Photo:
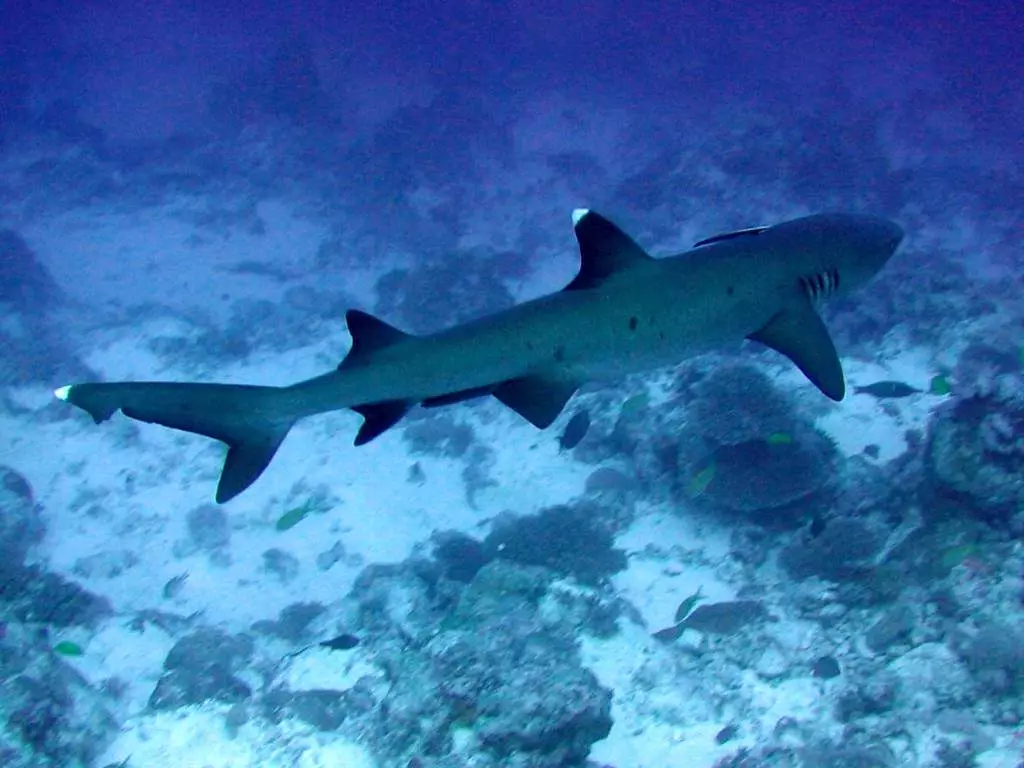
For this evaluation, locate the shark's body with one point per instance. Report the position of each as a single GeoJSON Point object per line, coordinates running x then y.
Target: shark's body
{"type": "Point", "coordinates": [624, 312]}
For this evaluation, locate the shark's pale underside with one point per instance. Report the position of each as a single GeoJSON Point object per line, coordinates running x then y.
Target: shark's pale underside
{"type": "Point", "coordinates": [624, 312]}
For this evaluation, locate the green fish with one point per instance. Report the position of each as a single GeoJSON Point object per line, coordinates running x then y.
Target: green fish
{"type": "Point", "coordinates": [939, 386]}
{"type": "Point", "coordinates": [294, 516]}
{"type": "Point", "coordinates": [700, 481]}
{"type": "Point", "coordinates": [687, 605]}
{"type": "Point", "coordinates": [635, 405]}
{"type": "Point", "coordinates": [953, 556]}
{"type": "Point", "coordinates": [67, 648]}
{"type": "Point", "coordinates": [779, 438]}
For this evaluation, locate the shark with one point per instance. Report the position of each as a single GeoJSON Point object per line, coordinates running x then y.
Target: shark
{"type": "Point", "coordinates": [624, 312]}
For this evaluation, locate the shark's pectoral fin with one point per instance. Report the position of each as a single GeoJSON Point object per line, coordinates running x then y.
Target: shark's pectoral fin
{"type": "Point", "coordinates": [368, 335]}
{"type": "Point", "coordinates": [378, 418]}
{"type": "Point", "coordinates": [800, 334]}
{"type": "Point", "coordinates": [604, 250]}
{"type": "Point", "coordinates": [538, 399]}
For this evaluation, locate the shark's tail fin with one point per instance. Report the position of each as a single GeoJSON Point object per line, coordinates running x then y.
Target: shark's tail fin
{"type": "Point", "coordinates": [251, 421]}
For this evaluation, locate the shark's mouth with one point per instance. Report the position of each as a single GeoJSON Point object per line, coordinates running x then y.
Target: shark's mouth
{"type": "Point", "coordinates": [820, 286]}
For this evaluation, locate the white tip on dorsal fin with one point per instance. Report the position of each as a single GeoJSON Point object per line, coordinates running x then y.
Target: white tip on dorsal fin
{"type": "Point", "coordinates": [62, 393]}
{"type": "Point", "coordinates": [605, 250]}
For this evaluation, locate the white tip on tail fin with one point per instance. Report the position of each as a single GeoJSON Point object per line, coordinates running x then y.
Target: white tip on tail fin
{"type": "Point", "coordinates": [578, 214]}
{"type": "Point", "coordinates": [62, 393]}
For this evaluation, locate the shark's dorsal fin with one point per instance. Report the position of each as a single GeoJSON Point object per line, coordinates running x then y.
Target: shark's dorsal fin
{"type": "Point", "coordinates": [368, 335]}
{"type": "Point", "coordinates": [605, 250]}
{"type": "Point", "coordinates": [799, 333]}
{"type": "Point", "coordinates": [538, 398]}
{"type": "Point", "coordinates": [730, 236]}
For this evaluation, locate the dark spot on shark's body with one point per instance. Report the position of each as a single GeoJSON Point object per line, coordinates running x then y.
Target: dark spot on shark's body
{"type": "Point", "coordinates": [633, 322]}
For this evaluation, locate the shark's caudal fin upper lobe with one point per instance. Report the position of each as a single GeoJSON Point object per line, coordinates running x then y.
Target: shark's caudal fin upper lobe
{"type": "Point", "coordinates": [247, 419]}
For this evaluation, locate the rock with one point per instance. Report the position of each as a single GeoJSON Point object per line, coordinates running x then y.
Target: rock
{"type": "Point", "coordinates": [974, 455]}
{"type": "Point", "coordinates": [844, 550]}
{"type": "Point", "coordinates": [38, 596]}
{"type": "Point", "coordinates": [201, 667]}
{"type": "Point", "coordinates": [49, 715]}
{"type": "Point", "coordinates": [772, 664]}
{"type": "Point", "coordinates": [569, 540]}
{"type": "Point", "coordinates": [893, 627]}
{"type": "Point", "coordinates": [492, 665]}
{"type": "Point", "coordinates": [21, 525]}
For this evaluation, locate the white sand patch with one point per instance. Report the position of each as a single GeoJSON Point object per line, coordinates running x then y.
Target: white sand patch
{"type": "Point", "coordinates": [654, 725]}
{"type": "Point", "coordinates": [861, 420]}
{"type": "Point", "coordinates": [196, 737]}
{"type": "Point", "coordinates": [324, 669]}
{"type": "Point", "coordinates": [668, 555]}
{"type": "Point", "coordinates": [166, 255]}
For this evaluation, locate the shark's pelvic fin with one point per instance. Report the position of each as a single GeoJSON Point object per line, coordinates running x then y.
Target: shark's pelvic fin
{"type": "Point", "coordinates": [604, 250]}
{"type": "Point", "coordinates": [730, 236]}
{"type": "Point", "coordinates": [251, 421]}
{"type": "Point", "coordinates": [368, 335]}
{"type": "Point", "coordinates": [378, 418]}
{"type": "Point", "coordinates": [538, 398]}
{"type": "Point", "coordinates": [799, 333]}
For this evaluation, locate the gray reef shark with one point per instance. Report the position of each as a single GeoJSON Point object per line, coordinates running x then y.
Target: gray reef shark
{"type": "Point", "coordinates": [624, 312]}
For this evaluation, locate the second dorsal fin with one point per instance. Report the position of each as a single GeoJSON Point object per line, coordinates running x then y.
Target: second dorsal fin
{"type": "Point", "coordinates": [605, 250]}
{"type": "Point", "coordinates": [369, 334]}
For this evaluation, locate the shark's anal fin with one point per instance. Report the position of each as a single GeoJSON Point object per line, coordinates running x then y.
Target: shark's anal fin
{"type": "Point", "coordinates": [378, 418]}
{"type": "Point", "coordinates": [799, 333]}
{"type": "Point", "coordinates": [604, 250]}
{"type": "Point", "coordinates": [538, 399]}
{"type": "Point", "coordinates": [369, 334]}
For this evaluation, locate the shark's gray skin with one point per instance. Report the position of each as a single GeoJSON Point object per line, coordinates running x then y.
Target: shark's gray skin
{"type": "Point", "coordinates": [624, 312]}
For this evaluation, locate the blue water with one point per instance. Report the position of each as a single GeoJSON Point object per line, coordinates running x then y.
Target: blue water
{"type": "Point", "coordinates": [199, 192]}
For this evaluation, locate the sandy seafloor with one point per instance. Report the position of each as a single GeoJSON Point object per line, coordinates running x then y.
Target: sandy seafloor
{"type": "Point", "coordinates": [119, 488]}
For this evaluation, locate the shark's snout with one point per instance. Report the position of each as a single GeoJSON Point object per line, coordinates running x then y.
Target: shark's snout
{"type": "Point", "coordinates": [892, 234]}
{"type": "Point", "coordinates": [874, 240]}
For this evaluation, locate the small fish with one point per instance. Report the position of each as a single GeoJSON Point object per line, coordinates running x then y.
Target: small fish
{"type": "Point", "coordinates": [67, 648]}
{"type": "Point", "coordinates": [817, 526]}
{"type": "Point", "coordinates": [940, 385]}
{"type": "Point", "coordinates": [885, 390]}
{"type": "Point", "coordinates": [174, 586]}
{"type": "Point", "coordinates": [701, 480]}
{"type": "Point", "coordinates": [575, 431]}
{"type": "Point", "coordinates": [635, 405]}
{"type": "Point", "coordinates": [669, 634]}
{"type": "Point", "coordinates": [779, 438]}
{"type": "Point", "coordinates": [826, 668]}
{"type": "Point", "coordinates": [687, 605]}
{"type": "Point", "coordinates": [872, 450]}
{"type": "Point", "coordinates": [724, 618]}
{"type": "Point", "coordinates": [345, 642]}
{"type": "Point", "coordinates": [293, 516]}
{"type": "Point", "coordinates": [954, 556]}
